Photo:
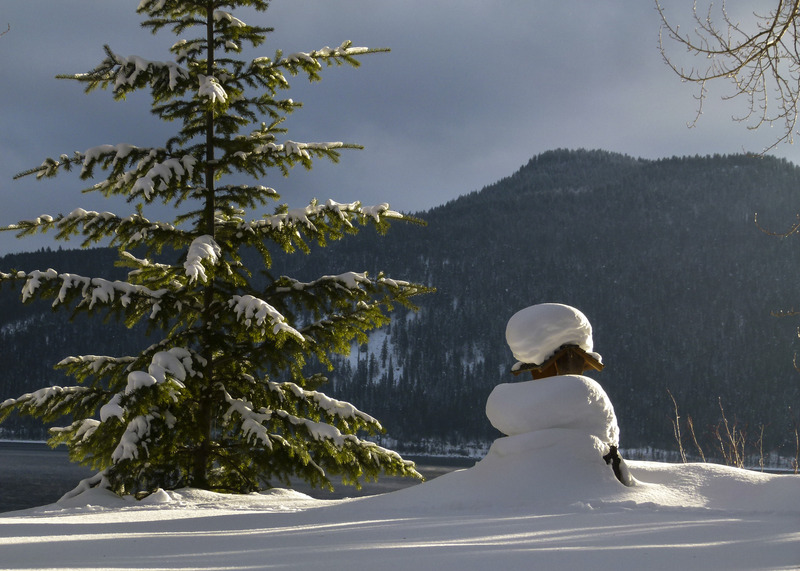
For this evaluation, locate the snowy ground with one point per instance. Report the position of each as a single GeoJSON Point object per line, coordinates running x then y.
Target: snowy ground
{"type": "Point", "coordinates": [525, 506]}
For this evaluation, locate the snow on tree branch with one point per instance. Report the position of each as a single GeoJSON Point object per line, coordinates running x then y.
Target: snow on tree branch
{"type": "Point", "coordinates": [348, 281]}
{"type": "Point", "coordinates": [86, 159]}
{"type": "Point", "coordinates": [202, 248]}
{"type": "Point", "coordinates": [331, 406]}
{"type": "Point", "coordinates": [92, 290]}
{"type": "Point", "coordinates": [249, 309]}
{"type": "Point", "coordinates": [230, 19]}
{"type": "Point", "coordinates": [95, 226]}
{"type": "Point", "coordinates": [155, 172]}
{"type": "Point", "coordinates": [306, 217]}
{"type": "Point", "coordinates": [49, 402]}
{"type": "Point", "coordinates": [167, 368]}
{"type": "Point", "coordinates": [98, 480]}
{"type": "Point", "coordinates": [289, 148]}
{"type": "Point", "coordinates": [91, 156]}
{"type": "Point", "coordinates": [270, 70]}
{"type": "Point", "coordinates": [136, 432]}
{"type": "Point", "coordinates": [133, 66]}
{"type": "Point", "coordinates": [344, 51]}
{"type": "Point", "coordinates": [161, 173]}
{"type": "Point", "coordinates": [93, 364]}
{"type": "Point", "coordinates": [252, 421]}
{"type": "Point", "coordinates": [126, 73]}
{"type": "Point", "coordinates": [78, 431]}
{"type": "Point", "coordinates": [319, 430]}
{"type": "Point", "coordinates": [177, 362]}
{"type": "Point", "coordinates": [211, 88]}
{"type": "Point", "coordinates": [42, 396]}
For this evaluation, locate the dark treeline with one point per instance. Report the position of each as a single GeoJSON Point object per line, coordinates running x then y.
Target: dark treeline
{"type": "Point", "coordinates": [662, 256]}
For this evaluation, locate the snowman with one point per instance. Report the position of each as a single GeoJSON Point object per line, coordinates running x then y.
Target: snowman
{"type": "Point", "coordinates": [568, 412]}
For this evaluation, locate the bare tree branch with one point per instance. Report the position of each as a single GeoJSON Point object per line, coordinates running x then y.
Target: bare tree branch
{"type": "Point", "coordinates": [793, 229]}
{"type": "Point", "coordinates": [761, 61]}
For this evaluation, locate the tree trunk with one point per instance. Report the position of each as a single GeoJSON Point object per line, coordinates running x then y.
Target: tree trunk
{"type": "Point", "coordinates": [204, 416]}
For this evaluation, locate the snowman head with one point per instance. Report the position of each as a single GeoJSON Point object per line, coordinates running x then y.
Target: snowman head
{"type": "Point", "coordinates": [551, 334]}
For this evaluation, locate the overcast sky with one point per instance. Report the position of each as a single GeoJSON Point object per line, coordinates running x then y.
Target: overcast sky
{"type": "Point", "coordinates": [471, 90]}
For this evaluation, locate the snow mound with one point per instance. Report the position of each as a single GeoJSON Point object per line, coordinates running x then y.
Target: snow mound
{"type": "Point", "coordinates": [536, 332]}
{"type": "Point", "coordinates": [514, 511]}
{"type": "Point", "coordinates": [568, 402]}
{"type": "Point", "coordinates": [176, 504]}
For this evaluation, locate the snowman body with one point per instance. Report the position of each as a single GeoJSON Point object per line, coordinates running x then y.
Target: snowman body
{"type": "Point", "coordinates": [571, 402]}
{"type": "Point", "coordinates": [570, 413]}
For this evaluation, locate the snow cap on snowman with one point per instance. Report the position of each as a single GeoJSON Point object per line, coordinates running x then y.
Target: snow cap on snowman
{"type": "Point", "coordinates": [551, 339]}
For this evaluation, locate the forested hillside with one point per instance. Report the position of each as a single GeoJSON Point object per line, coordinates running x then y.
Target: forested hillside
{"type": "Point", "coordinates": [662, 256]}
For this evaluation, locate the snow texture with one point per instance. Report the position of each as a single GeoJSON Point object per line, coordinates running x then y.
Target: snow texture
{"type": "Point", "coordinates": [112, 409]}
{"type": "Point", "coordinates": [568, 402]}
{"type": "Point", "coordinates": [536, 332]}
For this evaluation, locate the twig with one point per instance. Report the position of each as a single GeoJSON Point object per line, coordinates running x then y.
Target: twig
{"type": "Point", "coordinates": [676, 428]}
{"type": "Point", "coordinates": [733, 439]}
{"type": "Point", "coordinates": [694, 437]}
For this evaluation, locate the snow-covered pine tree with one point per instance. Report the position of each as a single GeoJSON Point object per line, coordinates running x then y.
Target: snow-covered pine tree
{"type": "Point", "coordinates": [223, 401]}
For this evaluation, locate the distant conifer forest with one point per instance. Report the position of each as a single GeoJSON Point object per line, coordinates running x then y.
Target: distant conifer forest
{"type": "Point", "coordinates": [663, 256]}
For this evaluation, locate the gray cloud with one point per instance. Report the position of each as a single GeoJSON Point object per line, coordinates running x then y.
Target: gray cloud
{"type": "Point", "coordinates": [470, 91]}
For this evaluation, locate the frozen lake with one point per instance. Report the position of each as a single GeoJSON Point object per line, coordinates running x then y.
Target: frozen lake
{"type": "Point", "coordinates": [32, 474]}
